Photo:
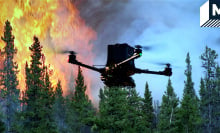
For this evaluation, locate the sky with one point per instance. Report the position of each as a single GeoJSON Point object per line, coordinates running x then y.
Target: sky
{"type": "Point", "coordinates": [171, 27]}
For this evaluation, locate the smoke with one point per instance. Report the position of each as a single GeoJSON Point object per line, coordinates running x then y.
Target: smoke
{"type": "Point", "coordinates": [146, 22]}
{"type": "Point", "coordinates": [111, 20]}
{"type": "Point", "coordinates": [131, 21]}
{"type": "Point", "coordinates": [121, 21]}
{"type": "Point", "coordinates": [114, 22]}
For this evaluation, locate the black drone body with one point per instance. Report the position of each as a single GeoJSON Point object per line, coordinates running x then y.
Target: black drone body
{"type": "Point", "coordinates": [120, 65]}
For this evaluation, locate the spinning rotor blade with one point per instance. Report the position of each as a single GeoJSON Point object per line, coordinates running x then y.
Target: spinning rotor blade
{"type": "Point", "coordinates": [67, 51]}
{"type": "Point", "coordinates": [162, 64]}
{"type": "Point", "coordinates": [166, 64]}
{"type": "Point", "coordinates": [147, 48]}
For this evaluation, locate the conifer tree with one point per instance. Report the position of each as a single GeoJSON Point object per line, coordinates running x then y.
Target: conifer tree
{"type": "Point", "coordinates": [156, 115]}
{"type": "Point", "coordinates": [208, 106]}
{"type": "Point", "coordinates": [168, 118]}
{"type": "Point", "coordinates": [189, 110]}
{"type": "Point", "coordinates": [82, 105]}
{"type": "Point", "coordinates": [202, 107]}
{"type": "Point", "coordinates": [99, 121]}
{"type": "Point", "coordinates": [216, 113]}
{"type": "Point", "coordinates": [38, 100]}
{"type": "Point", "coordinates": [1, 60]}
{"type": "Point", "coordinates": [137, 120]}
{"type": "Point", "coordinates": [59, 110]}
{"type": "Point", "coordinates": [71, 118]}
{"type": "Point", "coordinates": [148, 108]}
{"type": "Point", "coordinates": [47, 95]}
{"type": "Point", "coordinates": [102, 98]}
{"type": "Point", "coordinates": [102, 104]}
{"type": "Point", "coordinates": [113, 110]}
{"type": "Point", "coordinates": [9, 80]}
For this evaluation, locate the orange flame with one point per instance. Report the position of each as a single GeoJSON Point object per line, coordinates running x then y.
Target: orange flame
{"type": "Point", "coordinates": [58, 25]}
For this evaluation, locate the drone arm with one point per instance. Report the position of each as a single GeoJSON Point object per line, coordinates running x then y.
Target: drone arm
{"type": "Point", "coordinates": [72, 60]}
{"type": "Point", "coordinates": [86, 66]}
{"type": "Point", "coordinates": [166, 72]}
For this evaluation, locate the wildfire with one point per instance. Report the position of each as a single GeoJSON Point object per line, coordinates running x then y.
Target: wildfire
{"type": "Point", "coordinates": [58, 25]}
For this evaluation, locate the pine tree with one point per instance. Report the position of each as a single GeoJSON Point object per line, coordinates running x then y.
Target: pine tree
{"type": "Point", "coordinates": [1, 61]}
{"type": "Point", "coordinates": [203, 97]}
{"type": "Point", "coordinates": [71, 117]}
{"type": "Point", "coordinates": [99, 121]}
{"type": "Point", "coordinates": [38, 98]}
{"type": "Point", "coordinates": [47, 95]}
{"type": "Point", "coordinates": [216, 110]}
{"type": "Point", "coordinates": [208, 63]}
{"type": "Point", "coordinates": [168, 118]}
{"type": "Point", "coordinates": [137, 120]}
{"type": "Point", "coordinates": [156, 115]}
{"type": "Point", "coordinates": [113, 110]}
{"type": "Point", "coordinates": [9, 80]}
{"type": "Point", "coordinates": [82, 105]}
{"type": "Point", "coordinates": [148, 108]}
{"type": "Point", "coordinates": [189, 109]}
{"type": "Point", "coordinates": [59, 110]}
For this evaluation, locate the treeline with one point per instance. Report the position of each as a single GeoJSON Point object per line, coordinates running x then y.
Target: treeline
{"type": "Point", "coordinates": [42, 108]}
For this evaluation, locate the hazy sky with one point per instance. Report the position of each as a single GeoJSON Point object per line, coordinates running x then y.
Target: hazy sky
{"type": "Point", "coordinates": [171, 26]}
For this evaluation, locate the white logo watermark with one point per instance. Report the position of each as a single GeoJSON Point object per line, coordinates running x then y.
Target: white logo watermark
{"type": "Point", "coordinates": [210, 14]}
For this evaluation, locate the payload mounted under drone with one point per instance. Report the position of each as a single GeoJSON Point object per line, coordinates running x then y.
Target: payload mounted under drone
{"type": "Point", "coordinates": [120, 65]}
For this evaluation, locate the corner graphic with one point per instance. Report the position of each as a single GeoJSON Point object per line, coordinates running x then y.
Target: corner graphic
{"type": "Point", "coordinates": [210, 14]}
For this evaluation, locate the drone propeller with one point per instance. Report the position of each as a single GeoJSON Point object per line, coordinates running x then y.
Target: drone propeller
{"type": "Point", "coordinates": [162, 64]}
{"type": "Point", "coordinates": [147, 48]}
{"type": "Point", "coordinates": [167, 64]}
{"type": "Point", "coordinates": [138, 46]}
{"type": "Point", "coordinates": [67, 51]}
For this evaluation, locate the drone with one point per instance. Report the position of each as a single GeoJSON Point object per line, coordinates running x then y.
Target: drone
{"type": "Point", "coordinates": [120, 65]}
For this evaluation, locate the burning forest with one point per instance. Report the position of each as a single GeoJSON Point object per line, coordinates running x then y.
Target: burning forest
{"type": "Point", "coordinates": [58, 25]}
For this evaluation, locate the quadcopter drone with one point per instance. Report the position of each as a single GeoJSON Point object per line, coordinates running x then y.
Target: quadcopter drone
{"type": "Point", "coordinates": [120, 65]}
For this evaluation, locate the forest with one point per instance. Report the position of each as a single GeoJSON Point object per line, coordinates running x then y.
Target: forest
{"type": "Point", "coordinates": [42, 108]}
